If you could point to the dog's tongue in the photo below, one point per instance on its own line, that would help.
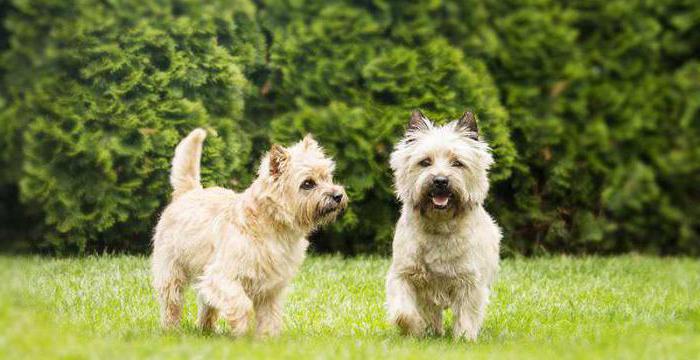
(440, 200)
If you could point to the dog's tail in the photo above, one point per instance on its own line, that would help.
(184, 175)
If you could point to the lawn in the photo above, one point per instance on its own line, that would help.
(557, 307)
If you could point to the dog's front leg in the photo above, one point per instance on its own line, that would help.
(228, 296)
(268, 314)
(206, 314)
(402, 304)
(469, 310)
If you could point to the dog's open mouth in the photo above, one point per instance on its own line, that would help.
(441, 201)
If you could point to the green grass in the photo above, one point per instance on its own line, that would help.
(103, 307)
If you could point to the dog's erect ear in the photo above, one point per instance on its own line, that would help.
(309, 142)
(279, 159)
(467, 125)
(418, 122)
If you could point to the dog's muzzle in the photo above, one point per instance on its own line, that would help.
(440, 193)
(334, 206)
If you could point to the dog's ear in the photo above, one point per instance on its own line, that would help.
(309, 142)
(467, 125)
(418, 122)
(279, 159)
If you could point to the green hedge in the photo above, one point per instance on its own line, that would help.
(347, 80)
(100, 93)
(592, 109)
(603, 98)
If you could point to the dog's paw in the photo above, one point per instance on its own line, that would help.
(465, 334)
(267, 333)
(409, 324)
(239, 321)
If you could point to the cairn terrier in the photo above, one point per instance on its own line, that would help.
(446, 246)
(241, 249)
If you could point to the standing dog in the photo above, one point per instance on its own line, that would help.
(446, 246)
(241, 249)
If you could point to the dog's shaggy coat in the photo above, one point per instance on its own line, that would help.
(446, 246)
(240, 249)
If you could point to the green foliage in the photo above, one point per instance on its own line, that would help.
(601, 118)
(591, 108)
(101, 93)
(345, 81)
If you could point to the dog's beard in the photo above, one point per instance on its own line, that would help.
(441, 204)
(323, 213)
(328, 215)
(313, 213)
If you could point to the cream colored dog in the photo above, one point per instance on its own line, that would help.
(241, 250)
(446, 246)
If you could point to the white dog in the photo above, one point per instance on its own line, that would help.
(446, 246)
(241, 250)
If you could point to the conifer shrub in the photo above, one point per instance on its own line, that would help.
(591, 108)
(600, 101)
(101, 92)
(344, 80)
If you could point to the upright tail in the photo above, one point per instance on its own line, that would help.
(184, 175)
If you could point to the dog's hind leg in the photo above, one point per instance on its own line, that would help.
(433, 315)
(169, 281)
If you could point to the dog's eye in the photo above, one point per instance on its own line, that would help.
(308, 184)
(425, 163)
(457, 163)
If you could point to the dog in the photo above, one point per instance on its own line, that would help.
(241, 249)
(446, 246)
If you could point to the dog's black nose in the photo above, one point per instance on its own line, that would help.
(338, 197)
(440, 181)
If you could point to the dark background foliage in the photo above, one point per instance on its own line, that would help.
(592, 109)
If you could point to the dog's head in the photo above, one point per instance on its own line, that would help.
(441, 170)
(300, 179)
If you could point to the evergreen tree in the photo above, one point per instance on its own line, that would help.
(350, 75)
(601, 117)
(102, 92)
(591, 108)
